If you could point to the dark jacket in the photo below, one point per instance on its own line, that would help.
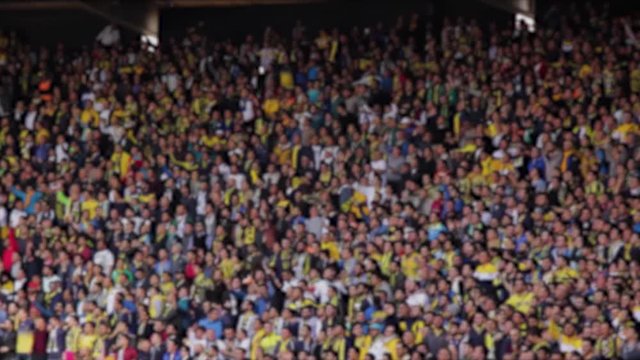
(8, 339)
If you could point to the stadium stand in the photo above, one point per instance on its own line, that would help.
(467, 192)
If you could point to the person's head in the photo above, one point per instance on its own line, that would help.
(89, 328)
(443, 354)
(229, 333)
(172, 345)
(123, 341)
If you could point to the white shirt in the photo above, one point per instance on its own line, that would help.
(194, 342)
(417, 299)
(47, 280)
(271, 178)
(15, 217)
(210, 224)
(181, 221)
(321, 290)
(105, 259)
(111, 299)
(224, 170)
(88, 96)
(201, 206)
(368, 191)
(19, 284)
(377, 349)
(317, 156)
(247, 109)
(379, 166)
(30, 120)
(238, 178)
(61, 152)
(289, 284)
(243, 344)
(115, 132)
(245, 322)
(171, 80)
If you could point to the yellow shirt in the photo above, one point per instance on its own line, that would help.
(391, 347)
(595, 187)
(487, 166)
(286, 79)
(457, 123)
(249, 235)
(211, 141)
(255, 343)
(570, 344)
(585, 70)
(409, 265)
(72, 339)
(42, 134)
(363, 343)
(486, 272)
(90, 205)
(24, 342)
(99, 348)
(521, 302)
(268, 343)
(565, 274)
(167, 287)
(283, 153)
(416, 329)
(332, 247)
(271, 106)
(295, 150)
(90, 117)
(86, 342)
(156, 306)
(227, 266)
(339, 346)
(122, 161)
(627, 128)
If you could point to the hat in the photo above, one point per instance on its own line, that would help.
(377, 326)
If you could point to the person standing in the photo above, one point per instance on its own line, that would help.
(40, 336)
(55, 341)
(125, 350)
(25, 337)
(72, 337)
(173, 351)
(7, 341)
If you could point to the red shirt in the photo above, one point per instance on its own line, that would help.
(40, 342)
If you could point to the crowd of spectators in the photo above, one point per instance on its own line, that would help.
(393, 192)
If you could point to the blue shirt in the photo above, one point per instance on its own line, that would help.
(176, 356)
(312, 74)
(30, 208)
(539, 164)
(215, 325)
(261, 306)
(163, 266)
